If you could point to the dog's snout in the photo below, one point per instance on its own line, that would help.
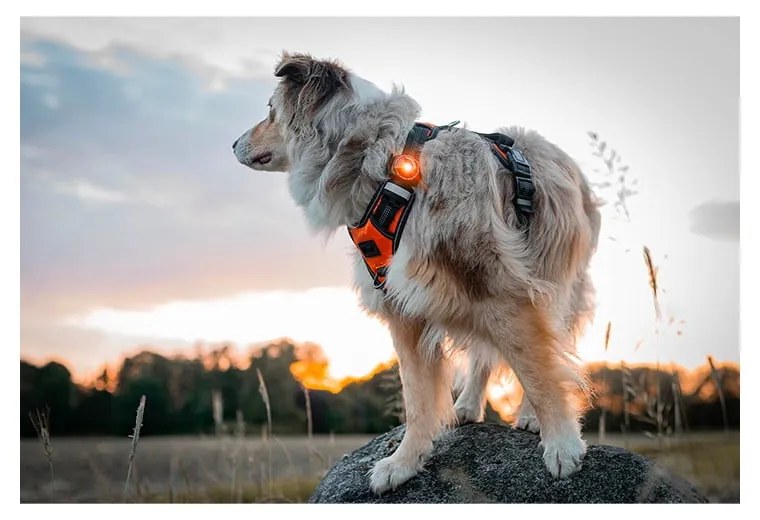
(235, 143)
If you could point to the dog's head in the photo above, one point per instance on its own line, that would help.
(333, 132)
(306, 86)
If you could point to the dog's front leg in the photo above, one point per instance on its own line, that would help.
(428, 405)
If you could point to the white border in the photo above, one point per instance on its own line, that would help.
(749, 167)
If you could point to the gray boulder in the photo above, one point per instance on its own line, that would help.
(479, 463)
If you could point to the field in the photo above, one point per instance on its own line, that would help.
(286, 469)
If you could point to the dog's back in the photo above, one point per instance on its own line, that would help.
(467, 225)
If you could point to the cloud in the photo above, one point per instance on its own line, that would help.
(211, 50)
(86, 191)
(32, 59)
(327, 316)
(716, 220)
(131, 187)
(38, 79)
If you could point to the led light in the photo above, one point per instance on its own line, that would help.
(405, 170)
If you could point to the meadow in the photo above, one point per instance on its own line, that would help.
(232, 468)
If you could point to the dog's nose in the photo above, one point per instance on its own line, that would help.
(235, 143)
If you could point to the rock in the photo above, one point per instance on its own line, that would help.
(479, 463)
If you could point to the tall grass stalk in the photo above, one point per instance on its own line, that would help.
(719, 388)
(41, 422)
(677, 402)
(652, 272)
(135, 439)
(310, 429)
(236, 487)
(217, 409)
(615, 176)
(265, 397)
(307, 405)
(629, 391)
(603, 415)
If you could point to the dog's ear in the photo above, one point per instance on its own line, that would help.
(309, 83)
(295, 67)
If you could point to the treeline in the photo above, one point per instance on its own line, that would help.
(184, 395)
(645, 399)
(180, 396)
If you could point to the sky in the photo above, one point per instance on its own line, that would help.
(139, 227)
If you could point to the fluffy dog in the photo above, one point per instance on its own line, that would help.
(466, 275)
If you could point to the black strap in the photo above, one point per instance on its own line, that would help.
(500, 139)
(524, 189)
(513, 160)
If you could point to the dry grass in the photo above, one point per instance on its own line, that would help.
(41, 422)
(293, 490)
(711, 464)
(135, 440)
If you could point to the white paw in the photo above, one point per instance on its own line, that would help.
(469, 414)
(391, 472)
(528, 422)
(563, 454)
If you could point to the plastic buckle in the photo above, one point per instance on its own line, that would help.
(524, 191)
(376, 283)
(518, 162)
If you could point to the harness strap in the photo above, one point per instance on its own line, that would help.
(513, 160)
(378, 233)
(422, 133)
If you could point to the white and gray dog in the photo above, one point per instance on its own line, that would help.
(466, 278)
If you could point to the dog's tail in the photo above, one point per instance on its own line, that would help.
(514, 249)
(583, 301)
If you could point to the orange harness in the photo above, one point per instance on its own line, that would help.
(378, 233)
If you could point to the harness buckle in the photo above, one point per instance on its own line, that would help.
(524, 191)
(519, 164)
(376, 283)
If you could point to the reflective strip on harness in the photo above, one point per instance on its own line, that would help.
(378, 232)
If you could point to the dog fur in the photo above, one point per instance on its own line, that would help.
(466, 278)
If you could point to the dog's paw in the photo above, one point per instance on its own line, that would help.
(391, 472)
(528, 423)
(563, 454)
(468, 414)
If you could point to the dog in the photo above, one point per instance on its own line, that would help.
(466, 277)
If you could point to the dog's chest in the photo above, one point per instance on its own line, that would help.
(408, 289)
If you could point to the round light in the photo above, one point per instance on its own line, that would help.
(406, 169)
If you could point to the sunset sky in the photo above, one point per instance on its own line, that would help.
(139, 227)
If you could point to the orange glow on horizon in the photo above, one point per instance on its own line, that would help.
(314, 375)
(311, 369)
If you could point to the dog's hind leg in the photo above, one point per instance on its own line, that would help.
(526, 416)
(549, 379)
(428, 403)
(471, 402)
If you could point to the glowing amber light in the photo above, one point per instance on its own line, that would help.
(406, 170)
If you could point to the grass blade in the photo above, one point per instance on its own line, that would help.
(135, 439)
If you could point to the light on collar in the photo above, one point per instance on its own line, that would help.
(405, 170)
